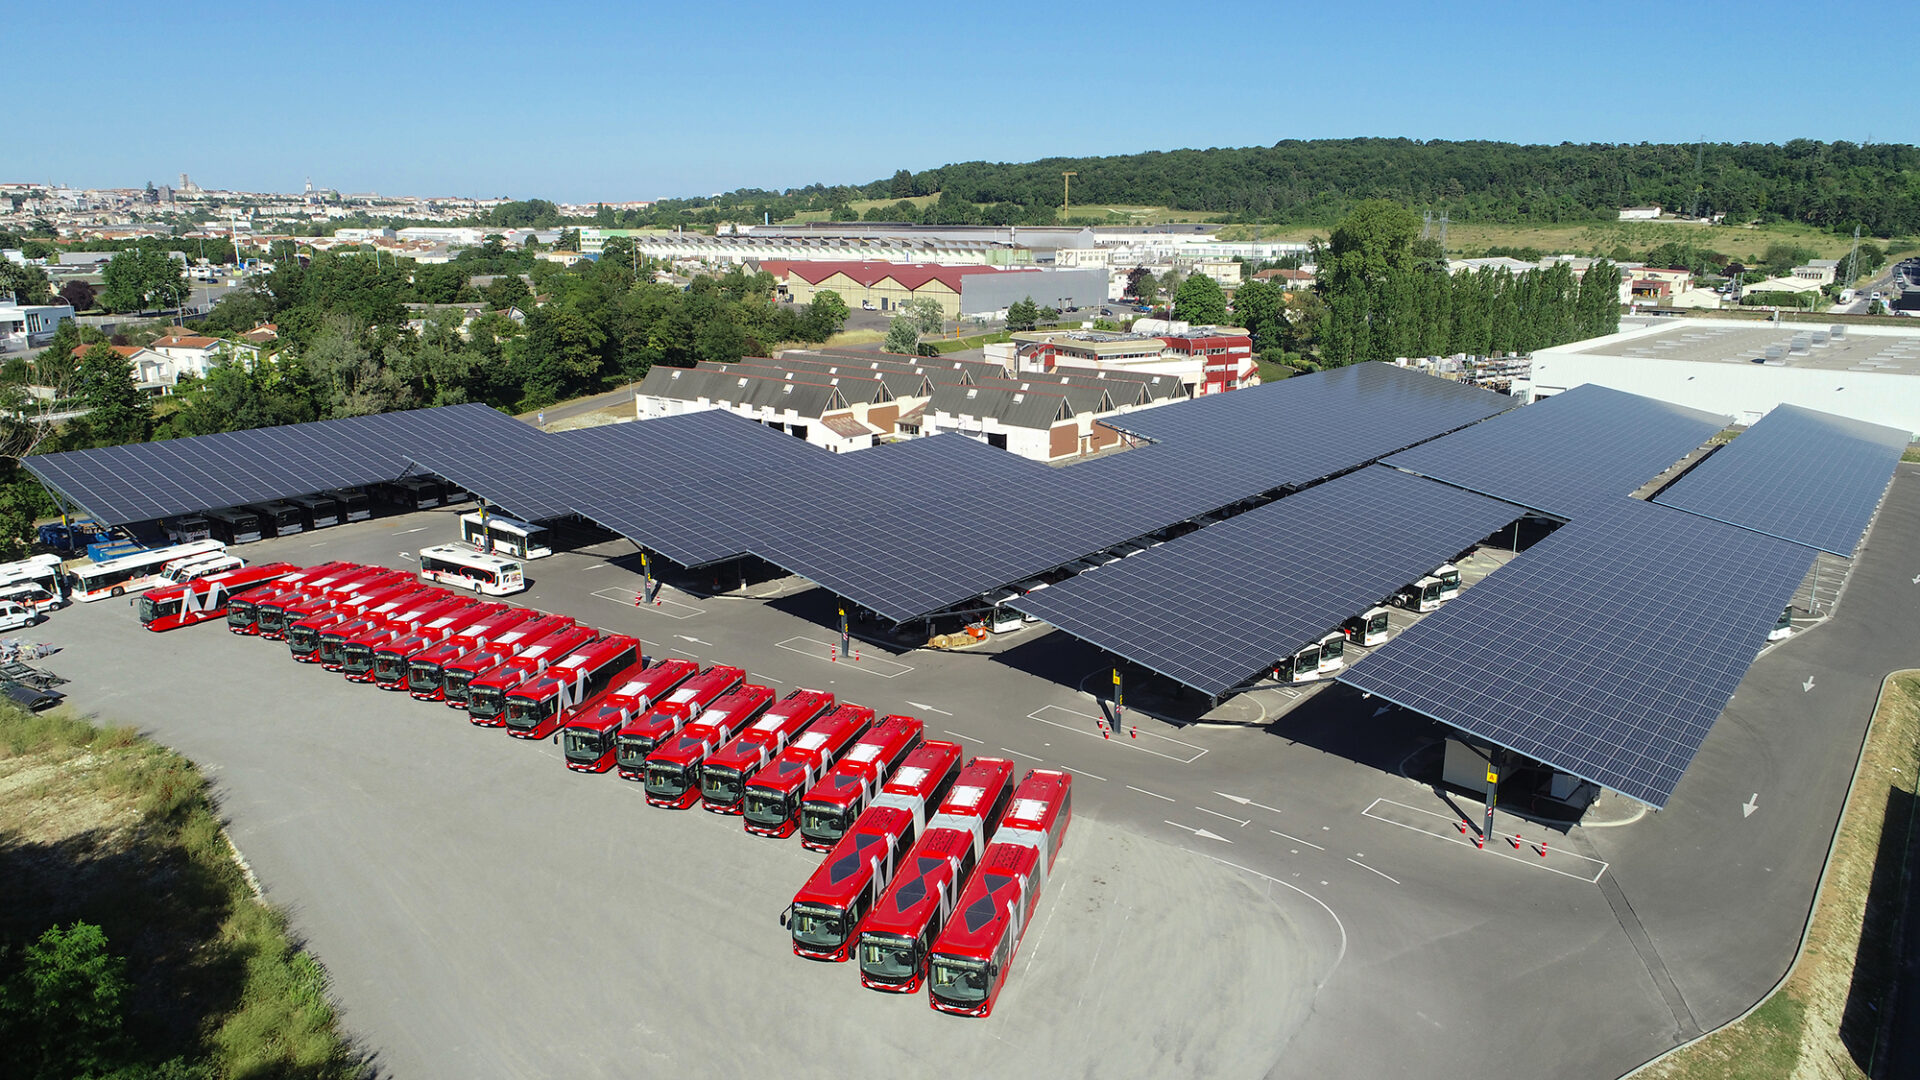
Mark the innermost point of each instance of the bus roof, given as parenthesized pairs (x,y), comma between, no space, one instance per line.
(984,912)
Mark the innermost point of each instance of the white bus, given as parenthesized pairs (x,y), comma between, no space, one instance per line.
(41,570)
(195,567)
(463,568)
(510,536)
(136,572)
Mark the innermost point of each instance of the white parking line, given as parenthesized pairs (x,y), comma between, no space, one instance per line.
(1505,845)
(1242,822)
(829,651)
(1029,757)
(410,532)
(672,609)
(1364,866)
(683,652)
(1083,772)
(1084,724)
(1144,791)
(1297,840)
(960,735)
(766,678)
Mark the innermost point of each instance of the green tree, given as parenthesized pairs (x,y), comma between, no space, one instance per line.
(1023,315)
(926,314)
(138,278)
(826,314)
(1200,301)
(117,411)
(26,284)
(903,336)
(61,1013)
(1142,286)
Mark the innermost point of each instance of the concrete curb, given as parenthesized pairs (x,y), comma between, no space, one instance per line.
(1819,890)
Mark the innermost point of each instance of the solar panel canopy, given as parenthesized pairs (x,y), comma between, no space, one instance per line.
(1801,475)
(146,481)
(1587,445)
(1607,650)
(1216,607)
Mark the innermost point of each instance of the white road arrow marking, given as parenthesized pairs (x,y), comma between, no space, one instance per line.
(1808,685)
(1382,709)
(1916,579)
(928,708)
(1747,808)
(1246,802)
(695,640)
(1201,833)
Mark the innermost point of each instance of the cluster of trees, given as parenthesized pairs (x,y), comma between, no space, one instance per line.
(1387,294)
(1831,185)
(916,319)
(62,1011)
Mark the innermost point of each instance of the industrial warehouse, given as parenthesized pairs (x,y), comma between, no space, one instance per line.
(944,528)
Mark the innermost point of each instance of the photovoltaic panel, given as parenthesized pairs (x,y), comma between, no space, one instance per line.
(1215,607)
(1585,446)
(1801,475)
(1607,650)
(145,481)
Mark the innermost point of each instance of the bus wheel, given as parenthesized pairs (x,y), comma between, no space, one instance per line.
(117,591)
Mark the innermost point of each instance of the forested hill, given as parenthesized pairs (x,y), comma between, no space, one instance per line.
(1826,184)
(1830,185)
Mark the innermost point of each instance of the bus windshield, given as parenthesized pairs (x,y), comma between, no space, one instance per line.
(241,613)
(632,750)
(529,712)
(823,823)
(299,638)
(720,783)
(454,685)
(666,779)
(818,925)
(356,658)
(388,666)
(151,609)
(957,980)
(584,744)
(764,807)
(423,677)
(486,702)
(888,957)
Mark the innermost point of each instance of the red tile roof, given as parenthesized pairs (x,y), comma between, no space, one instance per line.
(123,350)
(910,276)
(176,341)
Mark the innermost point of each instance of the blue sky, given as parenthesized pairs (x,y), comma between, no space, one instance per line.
(577,102)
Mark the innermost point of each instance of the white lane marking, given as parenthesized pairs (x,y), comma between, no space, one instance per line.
(1144,791)
(1029,757)
(1323,906)
(1364,866)
(928,708)
(1246,802)
(322,543)
(410,532)
(960,735)
(830,651)
(683,652)
(1086,726)
(1243,823)
(1201,833)
(1506,850)
(1747,808)
(662,605)
(1297,840)
(1083,772)
(694,640)
(766,678)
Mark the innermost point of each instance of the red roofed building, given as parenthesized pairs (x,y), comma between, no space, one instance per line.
(878,285)
(194,354)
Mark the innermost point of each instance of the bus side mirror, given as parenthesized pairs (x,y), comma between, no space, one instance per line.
(786,916)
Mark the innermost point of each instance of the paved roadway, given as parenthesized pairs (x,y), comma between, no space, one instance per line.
(1232,901)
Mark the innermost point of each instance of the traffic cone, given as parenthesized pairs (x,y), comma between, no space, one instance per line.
(1479,842)
(1461,825)
(833,654)
(1133,731)
(1543,849)
(1515,841)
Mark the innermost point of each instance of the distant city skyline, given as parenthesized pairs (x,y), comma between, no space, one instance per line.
(571,104)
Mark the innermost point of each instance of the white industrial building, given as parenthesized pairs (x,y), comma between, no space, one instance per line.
(1744,370)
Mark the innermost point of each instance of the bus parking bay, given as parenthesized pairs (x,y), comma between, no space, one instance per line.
(474,909)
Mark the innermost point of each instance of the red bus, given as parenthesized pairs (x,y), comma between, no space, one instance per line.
(309,618)
(203,599)
(673,769)
(971,958)
(278,613)
(425,671)
(724,775)
(456,674)
(357,655)
(571,686)
(826,913)
(832,804)
(771,805)
(589,741)
(372,614)
(645,730)
(390,661)
(243,613)
(487,693)
(897,933)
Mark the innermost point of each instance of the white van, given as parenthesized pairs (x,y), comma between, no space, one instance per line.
(14,615)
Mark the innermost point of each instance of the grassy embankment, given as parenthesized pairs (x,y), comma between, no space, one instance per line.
(1824,1020)
(106,827)
(1743,242)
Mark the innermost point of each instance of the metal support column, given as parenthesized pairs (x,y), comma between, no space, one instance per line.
(646,570)
(846,636)
(486,534)
(1493,794)
(1119,701)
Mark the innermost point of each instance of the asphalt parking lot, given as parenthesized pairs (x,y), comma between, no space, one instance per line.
(1231,901)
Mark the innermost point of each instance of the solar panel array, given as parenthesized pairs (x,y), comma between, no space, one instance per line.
(1606,650)
(1215,607)
(1806,476)
(145,481)
(1588,445)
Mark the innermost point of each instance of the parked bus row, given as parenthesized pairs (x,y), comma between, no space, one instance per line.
(932,865)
